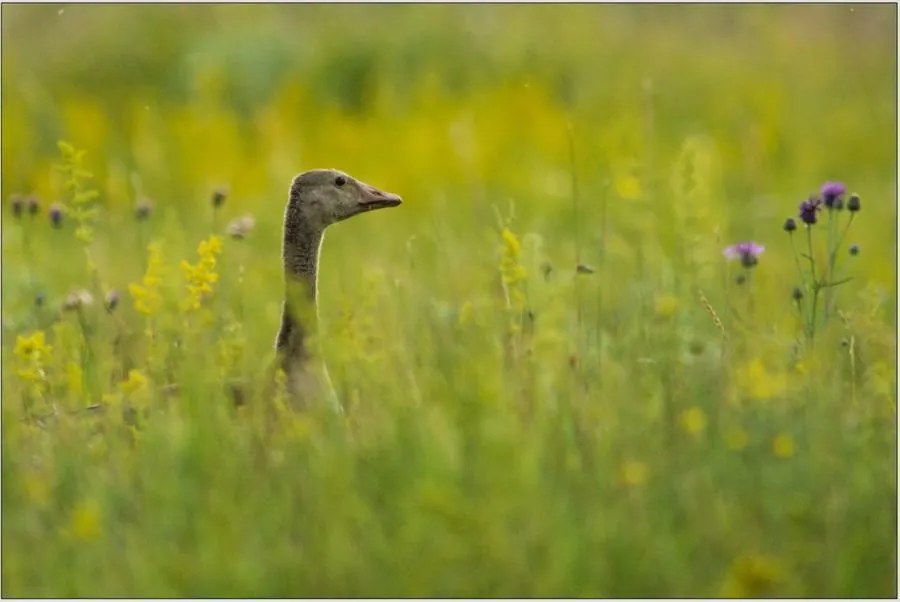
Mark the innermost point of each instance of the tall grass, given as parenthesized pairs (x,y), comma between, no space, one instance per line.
(644,425)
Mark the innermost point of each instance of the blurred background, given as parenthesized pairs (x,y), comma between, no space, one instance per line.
(625,453)
(461,109)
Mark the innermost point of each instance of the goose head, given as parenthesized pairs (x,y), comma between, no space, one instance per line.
(327,196)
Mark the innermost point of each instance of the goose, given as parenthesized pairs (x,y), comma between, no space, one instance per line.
(318,198)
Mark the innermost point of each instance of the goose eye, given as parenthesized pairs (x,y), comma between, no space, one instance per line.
(340,181)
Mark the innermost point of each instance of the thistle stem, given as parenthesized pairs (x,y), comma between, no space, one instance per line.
(796,258)
(815,285)
(829,273)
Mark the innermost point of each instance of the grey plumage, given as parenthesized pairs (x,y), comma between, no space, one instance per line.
(317,199)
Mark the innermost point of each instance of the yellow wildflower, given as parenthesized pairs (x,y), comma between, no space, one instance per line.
(757,382)
(665,306)
(135,383)
(692,421)
(147,297)
(628,187)
(512,275)
(85,521)
(32,353)
(752,576)
(633,473)
(510,269)
(202,276)
(783,446)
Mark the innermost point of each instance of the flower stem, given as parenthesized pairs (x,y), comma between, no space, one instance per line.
(829,273)
(815,285)
(796,258)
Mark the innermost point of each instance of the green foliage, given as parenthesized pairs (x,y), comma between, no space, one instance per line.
(553,384)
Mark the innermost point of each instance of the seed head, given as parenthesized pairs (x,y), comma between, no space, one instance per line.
(143,208)
(78,298)
(808,210)
(111,300)
(740,278)
(854,250)
(219,195)
(831,191)
(797,293)
(18,205)
(853,203)
(790,225)
(56,215)
(33,205)
(239,228)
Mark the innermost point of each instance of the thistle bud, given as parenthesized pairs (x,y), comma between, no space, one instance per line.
(111,300)
(143,208)
(218,196)
(56,215)
(33,205)
(18,205)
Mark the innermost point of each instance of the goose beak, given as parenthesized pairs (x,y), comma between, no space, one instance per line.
(372,198)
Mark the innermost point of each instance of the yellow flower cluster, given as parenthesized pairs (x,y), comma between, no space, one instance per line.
(31,354)
(665,306)
(753,576)
(134,388)
(511,271)
(756,381)
(135,383)
(147,297)
(783,446)
(202,276)
(81,196)
(84,523)
(692,421)
(633,473)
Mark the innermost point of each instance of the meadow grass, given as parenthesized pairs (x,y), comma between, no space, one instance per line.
(657,422)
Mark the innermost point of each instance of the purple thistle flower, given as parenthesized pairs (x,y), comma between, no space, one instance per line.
(831,191)
(747,252)
(56,215)
(808,210)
